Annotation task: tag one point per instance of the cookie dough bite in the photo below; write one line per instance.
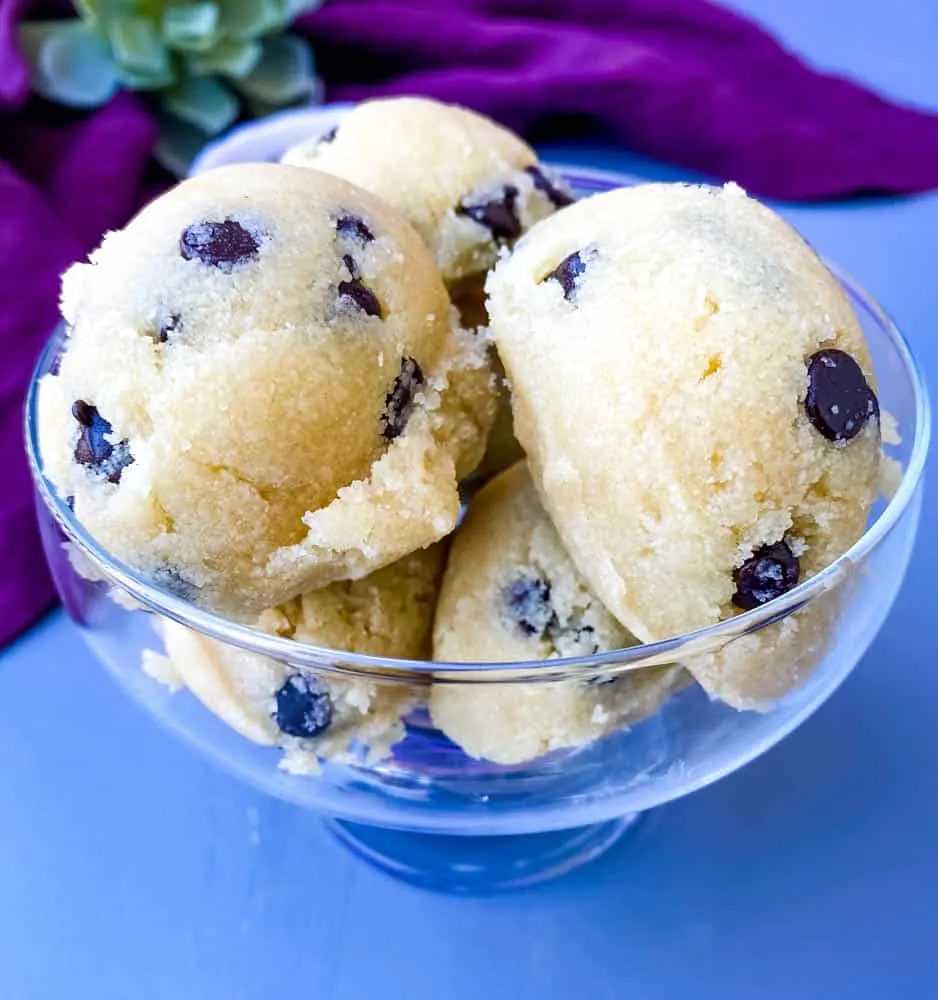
(316, 716)
(502, 448)
(510, 593)
(697, 404)
(468, 186)
(265, 389)
(755, 670)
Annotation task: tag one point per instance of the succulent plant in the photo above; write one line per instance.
(204, 62)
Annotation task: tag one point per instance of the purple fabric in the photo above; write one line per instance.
(14, 79)
(61, 186)
(682, 80)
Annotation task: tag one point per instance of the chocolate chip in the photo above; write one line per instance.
(526, 601)
(573, 638)
(399, 402)
(566, 273)
(224, 245)
(768, 573)
(585, 635)
(498, 216)
(839, 400)
(93, 450)
(304, 707)
(84, 413)
(349, 261)
(363, 297)
(557, 196)
(330, 135)
(168, 578)
(170, 326)
(70, 503)
(354, 228)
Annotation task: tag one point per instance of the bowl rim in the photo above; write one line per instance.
(216, 154)
(307, 656)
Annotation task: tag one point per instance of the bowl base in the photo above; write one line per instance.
(478, 866)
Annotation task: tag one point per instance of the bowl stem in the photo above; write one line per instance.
(478, 866)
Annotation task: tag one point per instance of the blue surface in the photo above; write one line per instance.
(131, 868)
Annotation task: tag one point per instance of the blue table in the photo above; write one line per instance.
(131, 868)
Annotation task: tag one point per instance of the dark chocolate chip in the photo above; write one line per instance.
(573, 633)
(168, 578)
(586, 633)
(399, 402)
(93, 450)
(839, 400)
(304, 707)
(363, 297)
(498, 216)
(354, 228)
(224, 245)
(170, 326)
(526, 601)
(566, 273)
(70, 503)
(601, 679)
(349, 261)
(85, 413)
(558, 197)
(330, 135)
(768, 573)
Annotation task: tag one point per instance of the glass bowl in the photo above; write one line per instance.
(430, 814)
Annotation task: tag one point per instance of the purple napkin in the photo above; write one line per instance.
(64, 180)
(681, 80)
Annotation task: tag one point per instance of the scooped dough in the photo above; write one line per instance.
(510, 593)
(502, 448)
(265, 389)
(697, 404)
(466, 184)
(316, 715)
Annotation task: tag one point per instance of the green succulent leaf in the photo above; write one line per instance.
(260, 109)
(204, 103)
(184, 49)
(87, 11)
(99, 12)
(69, 63)
(137, 47)
(143, 81)
(283, 75)
(177, 144)
(191, 27)
(228, 58)
(32, 35)
(247, 19)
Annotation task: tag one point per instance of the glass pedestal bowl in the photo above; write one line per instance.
(428, 813)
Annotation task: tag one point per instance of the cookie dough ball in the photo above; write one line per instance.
(467, 185)
(510, 593)
(502, 448)
(756, 669)
(696, 401)
(250, 363)
(316, 716)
